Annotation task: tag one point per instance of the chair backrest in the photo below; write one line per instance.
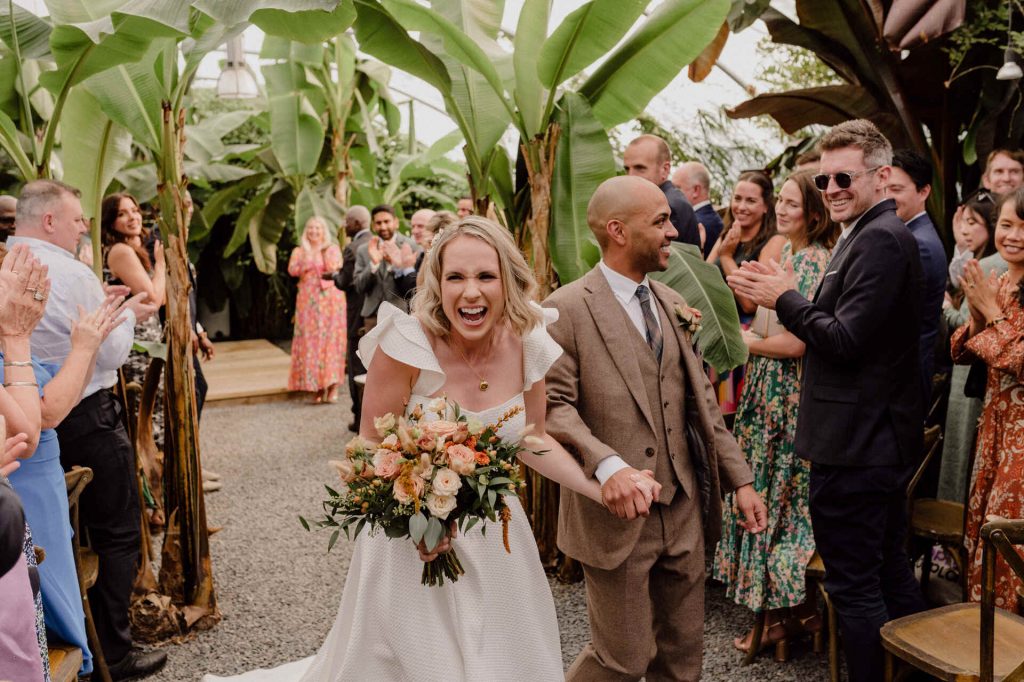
(999, 539)
(76, 480)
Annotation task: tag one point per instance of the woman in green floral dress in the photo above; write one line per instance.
(767, 570)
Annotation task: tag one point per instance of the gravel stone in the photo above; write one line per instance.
(278, 589)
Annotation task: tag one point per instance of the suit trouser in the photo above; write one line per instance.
(353, 368)
(93, 436)
(661, 583)
(859, 516)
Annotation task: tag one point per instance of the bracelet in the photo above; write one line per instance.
(20, 383)
(994, 322)
(24, 363)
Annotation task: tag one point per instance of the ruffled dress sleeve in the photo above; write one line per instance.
(400, 336)
(539, 350)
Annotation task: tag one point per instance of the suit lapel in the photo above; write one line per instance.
(611, 322)
(840, 251)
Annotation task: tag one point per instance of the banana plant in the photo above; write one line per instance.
(136, 59)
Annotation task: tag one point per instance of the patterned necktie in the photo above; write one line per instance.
(654, 339)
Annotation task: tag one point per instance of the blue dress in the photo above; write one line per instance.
(39, 483)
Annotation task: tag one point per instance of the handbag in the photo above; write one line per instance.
(766, 323)
(977, 378)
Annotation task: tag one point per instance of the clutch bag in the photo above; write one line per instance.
(766, 323)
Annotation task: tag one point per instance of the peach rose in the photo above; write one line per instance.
(384, 424)
(408, 488)
(440, 505)
(387, 464)
(446, 482)
(346, 469)
(440, 429)
(461, 459)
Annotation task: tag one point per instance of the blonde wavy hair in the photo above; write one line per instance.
(517, 281)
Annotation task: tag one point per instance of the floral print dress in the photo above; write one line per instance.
(997, 482)
(766, 570)
(318, 346)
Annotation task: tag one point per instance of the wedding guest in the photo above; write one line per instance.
(408, 281)
(318, 346)
(464, 207)
(766, 571)
(20, 654)
(418, 227)
(380, 262)
(994, 335)
(50, 223)
(357, 228)
(648, 157)
(861, 410)
(1004, 170)
(974, 222)
(749, 235)
(910, 186)
(694, 182)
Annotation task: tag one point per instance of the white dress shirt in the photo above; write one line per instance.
(73, 284)
(625, 293)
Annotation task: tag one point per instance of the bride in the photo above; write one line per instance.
(475, 337)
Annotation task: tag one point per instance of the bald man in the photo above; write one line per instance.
(648, 157)
(694, 181)
(8, 209)
(418, 224)
(621, 398)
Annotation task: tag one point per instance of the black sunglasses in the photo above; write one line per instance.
(843, 179)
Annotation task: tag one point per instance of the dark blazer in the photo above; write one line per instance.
(407, 283)
(712, 222)
(379, 285)
(933, 269)
(681, 214)
(860, 397)
(344, 279)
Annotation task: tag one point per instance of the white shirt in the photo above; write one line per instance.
(73, 284)
(625, 292)
(706, 202)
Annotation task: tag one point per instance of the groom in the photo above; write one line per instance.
(617, 400)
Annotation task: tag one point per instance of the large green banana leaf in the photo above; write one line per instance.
(528, 90)
(314, 201)
(701, 284)
(313, 26)
(380, 35)
(584, 160)
(649, 59)
(33, 33)
(98, 150)
(296, 131)
(585, 36)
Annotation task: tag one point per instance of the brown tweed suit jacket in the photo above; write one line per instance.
(597, 406)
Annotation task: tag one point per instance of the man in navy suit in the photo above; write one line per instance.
(861, 409)
(909, 186)
(694, 182)
(648, 157)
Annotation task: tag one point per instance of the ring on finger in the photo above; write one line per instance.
(38, 295)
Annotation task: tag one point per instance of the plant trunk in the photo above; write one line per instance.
(541, 496)
(185, 571)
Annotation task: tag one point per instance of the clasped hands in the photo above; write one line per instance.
(629, 493)
(399, 257)
(985, 293)
(762, 283)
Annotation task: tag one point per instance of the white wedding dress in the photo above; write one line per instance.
(495, 624)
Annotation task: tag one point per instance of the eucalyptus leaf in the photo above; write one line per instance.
(417, 526)
(433, 534)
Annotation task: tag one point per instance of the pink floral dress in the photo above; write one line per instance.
(318, 346)
(997, 482)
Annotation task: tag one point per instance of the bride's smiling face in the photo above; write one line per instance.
(472, 295)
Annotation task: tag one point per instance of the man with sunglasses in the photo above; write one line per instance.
(8, 209)
(861, 409)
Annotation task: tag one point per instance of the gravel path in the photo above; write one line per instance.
(279, 591)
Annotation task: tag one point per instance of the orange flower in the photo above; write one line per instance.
(471, 442)
(482, 459)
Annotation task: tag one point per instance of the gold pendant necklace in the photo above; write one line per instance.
(483, 382)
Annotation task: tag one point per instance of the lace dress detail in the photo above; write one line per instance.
(497, 623)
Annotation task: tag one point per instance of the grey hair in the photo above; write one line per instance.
(39, 196)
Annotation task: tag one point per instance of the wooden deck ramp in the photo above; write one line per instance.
(252, 371)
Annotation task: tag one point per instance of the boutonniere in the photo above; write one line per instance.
(688, 318)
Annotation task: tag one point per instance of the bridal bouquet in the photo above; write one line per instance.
(424, 476)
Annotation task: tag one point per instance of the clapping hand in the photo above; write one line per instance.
(137, 303)
(406, 257)
(627, 495)
(91, 329)
(391, 253)
(15, 448)
(373, 249)
(982, 293)
(24, 288)
(763, 283)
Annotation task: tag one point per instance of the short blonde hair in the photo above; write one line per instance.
(517, 281)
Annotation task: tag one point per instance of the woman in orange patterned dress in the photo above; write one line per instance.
(318, 346)
(995, 334)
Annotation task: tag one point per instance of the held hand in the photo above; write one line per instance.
(622, 497)
(645, 483)
(15, 448)
(444, 545)
(751, 507)
(373, 248)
